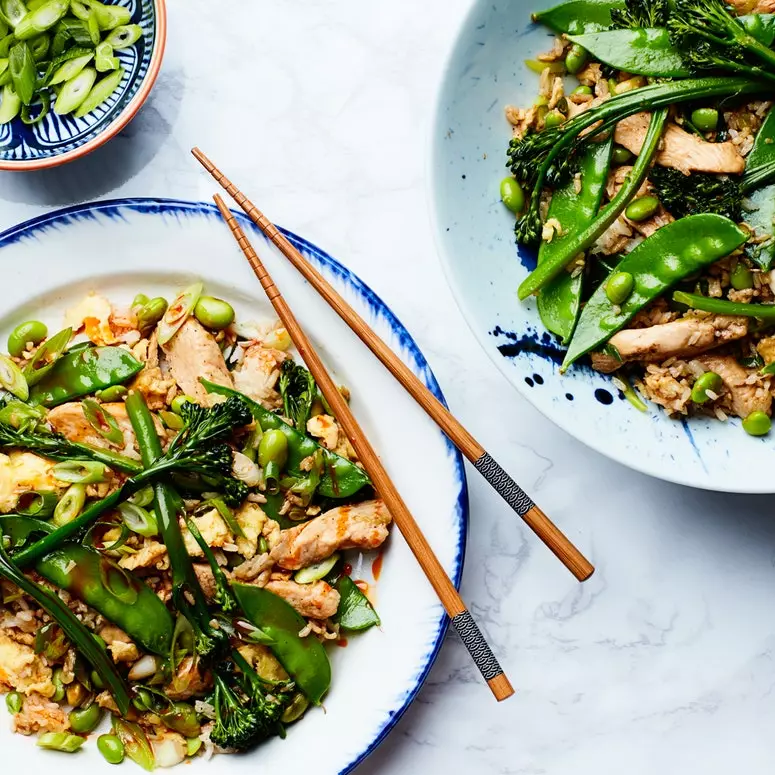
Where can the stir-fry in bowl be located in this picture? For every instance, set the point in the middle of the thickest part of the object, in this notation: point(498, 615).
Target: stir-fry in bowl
point(177, 506)
point(644, 176)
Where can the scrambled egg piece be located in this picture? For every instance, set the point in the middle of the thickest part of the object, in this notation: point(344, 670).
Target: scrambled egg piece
point(21, 471)
point(92, 315)
point(213, 530)
point(251, 519)
point(22, 669)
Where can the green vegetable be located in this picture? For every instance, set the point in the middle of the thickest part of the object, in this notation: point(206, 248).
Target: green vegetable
point(125, 36)
point(75, 91)
point(104, 59)
point(705, 382)
point(618, 287)
point(70, 505)
point(60, 741)
point(41, 19)
point(10, 105)
point(21, 65)
point(757, 424)
point(304, 659)
point(111, 748)
point(171, 420)
point(671, 253)
point(46, 356)
point(80, 373)
point(139, 520)
point(70, 67)
point(14, 702)
point(620, 155)
point(178, 401)
point(741, 277)
point(18, 530)
point(340, 478)
point(85, 720)
point(134, 743)
point(698, 192)
point(12, 379)
point(80, 471)
point(178, 312)
point(296, 709)
point(193, 744)
point(511, 195)
point(576, 58)
point(111, 394)
point(13, 11)
point(641, 13)
point(102, 421)
point(724, 307)
point(760, 213)
point(317, 571)
point(642, 51)
point(560, 300)
point(705, 119)
point(642, 208)
point(31, 332)
point(553, 118)
point(578, 16)
point(110, 16)
point(38, 504)
point(272, 457)
point(298, 390)
point(355, 610)
point(581, 240)
point(213, 313)
point(152, 311)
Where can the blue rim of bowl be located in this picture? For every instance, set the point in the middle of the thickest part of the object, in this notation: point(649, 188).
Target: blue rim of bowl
point(179, 207)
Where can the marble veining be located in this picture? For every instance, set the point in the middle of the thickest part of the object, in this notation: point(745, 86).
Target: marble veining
point(664, 660)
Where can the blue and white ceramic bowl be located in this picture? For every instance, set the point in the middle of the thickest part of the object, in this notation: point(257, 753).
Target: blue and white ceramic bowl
point(486, 72)
point(59, 139)
point(160, 246)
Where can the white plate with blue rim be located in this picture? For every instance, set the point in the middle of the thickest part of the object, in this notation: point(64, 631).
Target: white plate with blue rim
point(484, 266)
point(124, 247)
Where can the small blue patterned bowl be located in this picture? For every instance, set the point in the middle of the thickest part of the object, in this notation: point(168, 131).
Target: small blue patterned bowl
point(59, 139)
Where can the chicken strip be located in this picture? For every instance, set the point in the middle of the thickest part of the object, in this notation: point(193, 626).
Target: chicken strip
point(315, 601)
point(683, 338)
point(71, 422)
point(362, 526)
point(193, 353)
point(258, 373)
point(679, 149)
point(746, 398)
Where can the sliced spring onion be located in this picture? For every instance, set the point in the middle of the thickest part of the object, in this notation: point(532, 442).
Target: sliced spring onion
point(138, 519)
point(104, 59)
point(40, 47)
point(10, 106)
point(102, 421)
point(110, 16)
point(24, 74)
point(12, 379)
point(630, 393)
point(80, 10)
point(6, 43)
point(93, 26)
point(68, 65)
point(178, 312)
point(48, 353)
point(13, 11)
point(317, 571)
point(41, 19)
point(70, 505)
point(45, 106)
point(80, 471)
point(60, 741)
point(100, 92)
point(37, 503)
point(125, 36)
point(143, 497)
point(75, 91)
point(67, 30)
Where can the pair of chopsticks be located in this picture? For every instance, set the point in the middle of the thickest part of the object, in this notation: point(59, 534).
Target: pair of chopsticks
point(512, 493)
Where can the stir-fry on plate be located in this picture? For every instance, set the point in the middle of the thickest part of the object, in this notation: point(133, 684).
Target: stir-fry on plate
point(170, 471)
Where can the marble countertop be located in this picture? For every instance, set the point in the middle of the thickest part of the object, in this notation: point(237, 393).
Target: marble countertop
point(664, 661)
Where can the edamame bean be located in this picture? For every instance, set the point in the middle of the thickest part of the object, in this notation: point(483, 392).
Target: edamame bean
point(741, 277)
point(705, 382)
point(620, 155)
point(619, 287)
point(575, 59)
point(111, 748)
point(178, 402)
point(553, 118)
point(96, 681)
point(272, 456)
point(512, 195)
point(31, 332)
point(140, 300)
point(583, 89)
point(14, 702)
point(151, 312)
point(59, 687)
point(757, 424)
point(214, 313)
point(84, 720)
point(705, 119)
point(642, 208)
point(113, 393)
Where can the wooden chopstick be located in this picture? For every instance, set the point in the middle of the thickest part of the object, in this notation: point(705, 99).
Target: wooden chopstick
point(445, 589)
point(501, 482)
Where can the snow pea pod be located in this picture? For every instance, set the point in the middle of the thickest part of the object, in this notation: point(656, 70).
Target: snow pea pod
point(355, 610)
point(669, 255)
point(340, 477)
point(18, 529)
point(579, 16)
point(117, 594)
point(560, 300)
point(82, 372)
point(641, 50)
point(761, 214)
point(304, 659)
